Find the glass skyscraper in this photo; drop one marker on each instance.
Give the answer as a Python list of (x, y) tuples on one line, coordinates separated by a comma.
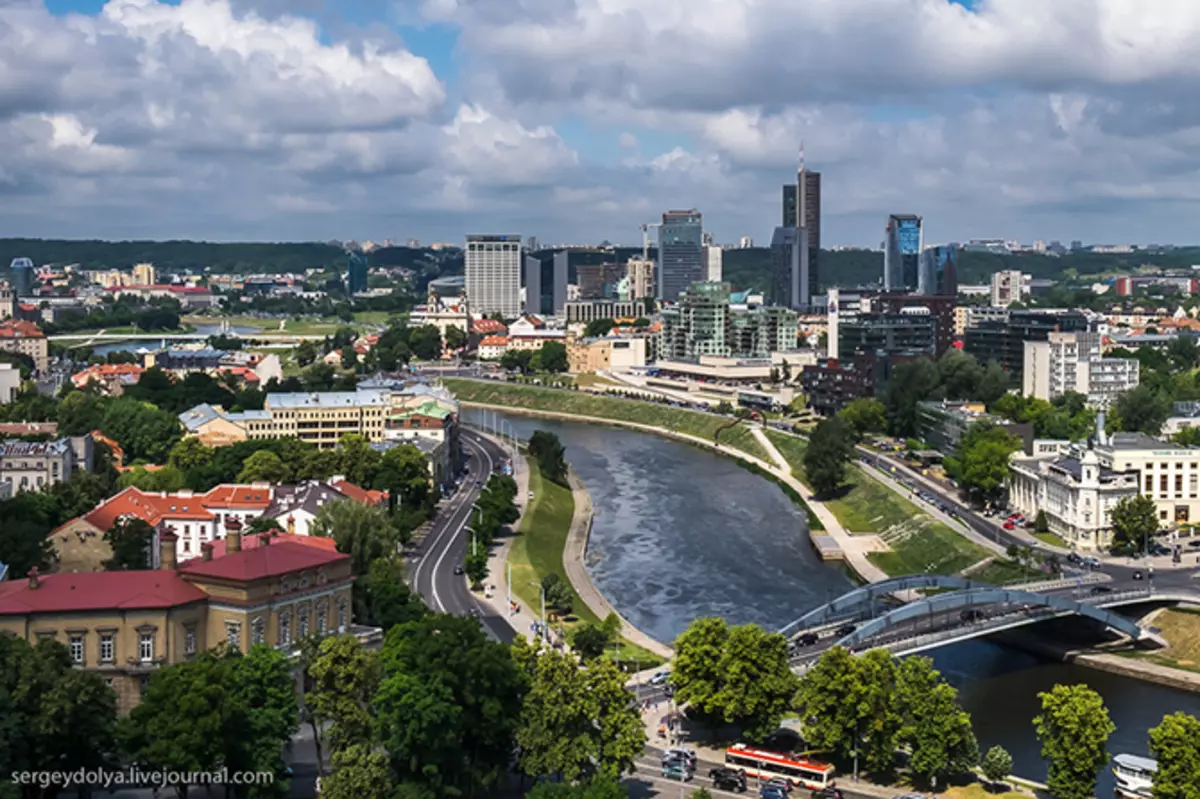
[(902, 253), (939, 271), (356, 275), (22, 276), (802, 210), (680, 253)]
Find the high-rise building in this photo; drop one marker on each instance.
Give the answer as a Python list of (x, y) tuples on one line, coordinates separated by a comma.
[(22, 276), (789, 263), (1008, 286), (802, 210), (145, 275), (745, 243), (939, 271), (493, 267), (1074, 362), (641, 278), (714, 259), (531, 244), (902, 252), (680, 253), (697, 324), (356, 274), (533, 285)]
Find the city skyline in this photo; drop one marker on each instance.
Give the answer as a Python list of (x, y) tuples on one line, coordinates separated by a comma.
[(362, 120)]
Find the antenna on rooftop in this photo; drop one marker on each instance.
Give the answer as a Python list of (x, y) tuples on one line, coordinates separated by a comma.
[(802, 155)]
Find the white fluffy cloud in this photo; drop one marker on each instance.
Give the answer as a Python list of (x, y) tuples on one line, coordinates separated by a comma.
[(281, 119)]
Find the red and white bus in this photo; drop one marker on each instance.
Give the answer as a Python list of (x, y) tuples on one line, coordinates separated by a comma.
[(812, 774)]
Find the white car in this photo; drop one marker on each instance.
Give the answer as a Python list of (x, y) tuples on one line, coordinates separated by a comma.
[(660, 678)]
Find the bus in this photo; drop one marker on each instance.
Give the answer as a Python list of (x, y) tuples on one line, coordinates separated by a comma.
[(798, 771)]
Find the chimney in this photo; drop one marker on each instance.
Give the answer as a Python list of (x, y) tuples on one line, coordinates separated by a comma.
[(33, 578), (233, 536), (166, 550), (206, 552)]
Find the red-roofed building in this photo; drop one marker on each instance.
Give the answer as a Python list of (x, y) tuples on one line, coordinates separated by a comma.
[(111, 378), (363, 495), (25, 338), (124, 625), (488, 327), (493, 347)]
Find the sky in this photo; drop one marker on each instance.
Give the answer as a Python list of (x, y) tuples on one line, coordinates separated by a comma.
[(579, 120)]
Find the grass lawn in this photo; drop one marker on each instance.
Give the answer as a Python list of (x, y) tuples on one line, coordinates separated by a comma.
[(588, 379), (701, 425), (936, 549), (1005, 572), (538, 551), (1181, 628), (1052, 540)]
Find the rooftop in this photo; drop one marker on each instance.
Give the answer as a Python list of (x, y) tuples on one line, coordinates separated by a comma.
[(133, 590), (218, 547), (284, 555), (15, 448), (328, 399), (16, 328)]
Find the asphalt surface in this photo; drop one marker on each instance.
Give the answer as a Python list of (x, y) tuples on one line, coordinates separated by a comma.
[(445, 546)]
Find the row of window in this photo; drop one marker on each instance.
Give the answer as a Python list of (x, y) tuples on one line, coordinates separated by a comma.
[(258, 625), (76, 645)]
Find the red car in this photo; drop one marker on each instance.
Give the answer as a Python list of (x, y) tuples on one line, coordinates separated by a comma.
[(1009, 526)]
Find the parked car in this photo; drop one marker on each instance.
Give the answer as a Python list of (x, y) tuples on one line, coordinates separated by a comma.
[(679, 753), (1138, 576), (728, 779), (1009, 526)]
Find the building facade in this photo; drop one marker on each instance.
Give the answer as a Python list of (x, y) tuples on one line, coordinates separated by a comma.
[(1008, 286), (902, 253), (1072, 362), (802, 211), (1003, 339), (939, 272), (38, 465), (939, 308), (697, 325), (10, 383), (640, 272), (493, 272), (791, 277), (680, 253), (25, 338), (943, 424), (888, 334), (714, 263)]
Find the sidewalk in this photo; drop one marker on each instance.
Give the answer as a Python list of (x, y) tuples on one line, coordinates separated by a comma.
[(576, 570)]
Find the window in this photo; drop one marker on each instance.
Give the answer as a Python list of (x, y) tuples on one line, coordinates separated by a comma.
[(342, 615), (233, 634), (189, 640), (106, 648), (322, 616), (1178, 484), (1162, 484), (1149, 485), (75, 645), (143, 684), (302, 620), (258, 631), (285, 628), (146, 647)]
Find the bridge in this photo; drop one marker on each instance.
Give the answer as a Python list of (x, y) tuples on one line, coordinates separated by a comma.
[(167, 336), (955, 609)]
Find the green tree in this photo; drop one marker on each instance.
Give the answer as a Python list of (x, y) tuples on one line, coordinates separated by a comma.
[(456, 338), (590, 640), (404, 473), (881, 719), (130, 540), (559, 596), (1141, 410), (1175, 743), (1134, 522), (143, 431), (997, 765), (190, 455), (1184, 353), (1040, 523), (598, 327), (980, 464), (263, 466), (476, 565), (829, 452), (911, 382), (960, 374), (449, 703), (552, 357), (936, 727), (306, 353), (595, 789), (425, 342), (829, 701), (758, 685), (168, 478), (263, 712), (1074, 728), (357, 461), (363, 532), (863, 416), (358, 771), (349, 357), (80, 413), (548, 451), (345, 678), (389, 599), (517, 360), (696, 673), (993, 385)]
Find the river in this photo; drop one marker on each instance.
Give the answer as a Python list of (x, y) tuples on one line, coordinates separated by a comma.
[(681, 532)]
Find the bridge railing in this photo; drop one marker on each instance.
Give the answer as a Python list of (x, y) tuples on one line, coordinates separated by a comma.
[(1061, 582)]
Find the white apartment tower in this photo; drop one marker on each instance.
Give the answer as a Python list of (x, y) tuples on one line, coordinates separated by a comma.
[(714, 259), (1008, 286), (493, 267), (1074, 362)]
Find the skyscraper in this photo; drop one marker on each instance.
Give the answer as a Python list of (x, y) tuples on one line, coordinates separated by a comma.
[(493, 267), (356, 275), (546, 283), (902, 253), (802, 210), (789, 262), (22, 276), (714, 259), (680, 253), (939, 271), (533, 285)]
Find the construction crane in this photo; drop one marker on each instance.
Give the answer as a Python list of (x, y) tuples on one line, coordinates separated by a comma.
[(646, 238)]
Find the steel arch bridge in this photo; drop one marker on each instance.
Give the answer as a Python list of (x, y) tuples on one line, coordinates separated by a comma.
[(852, 603), (1014, 602)]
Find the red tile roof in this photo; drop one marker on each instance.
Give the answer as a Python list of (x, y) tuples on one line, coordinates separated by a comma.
[(17, 328), (237, 496), (487, 326), (135, 590), (284, 555), (255, 541), (154, 507), (494, 341), (363, 495)]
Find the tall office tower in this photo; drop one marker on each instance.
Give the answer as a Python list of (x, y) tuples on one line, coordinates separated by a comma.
[(493, 267), (533, 285), (789, 267), (560, 275), (714, 260), (356, 276), (802, 209), (531, 244), (22, 276), (902, 253), (939, 271), (641, 278), (680, 253)]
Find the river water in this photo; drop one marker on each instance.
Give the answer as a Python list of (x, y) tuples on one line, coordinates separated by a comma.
[(680, 532)]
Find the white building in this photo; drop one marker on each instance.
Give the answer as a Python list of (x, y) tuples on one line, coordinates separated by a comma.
[(1008, 286), (1074, 362), (714, 259), (10, 383), (1076, 494), (493, 272)]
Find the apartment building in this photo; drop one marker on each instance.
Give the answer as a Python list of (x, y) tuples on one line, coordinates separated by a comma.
[(493, 275), (125, 625), (1073, 362), (10, 383), (35, 465), (25, 338), (1008, 286)]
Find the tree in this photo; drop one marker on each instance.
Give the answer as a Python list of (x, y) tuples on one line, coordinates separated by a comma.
[(1074, 728), (993, 385), (358, 771), (548, 451), (404, 473), (960, 374), (552, 357), (1184, 353), (130, 539), (363, 532), (425, 342), (168, 478), (598, 327), (1141, 410), (911, 382), (349, 357), (830, 450), (980, 464), (449, 703), (80, 413), (476, 565), (696, 674), (595, 789), (578, 723), (345, 677), (829, 702), (1175, 743), (143, 431), (1134, 521), (558, 593), (936, 727), (1040, 523), (517, 360), (590, 640), (263, 466), (997, 765), (389, 600), (263, 710), (866, 415), (357, 460), (306, 353)]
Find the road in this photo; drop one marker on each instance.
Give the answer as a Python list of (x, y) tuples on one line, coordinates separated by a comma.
[(445, 546)]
